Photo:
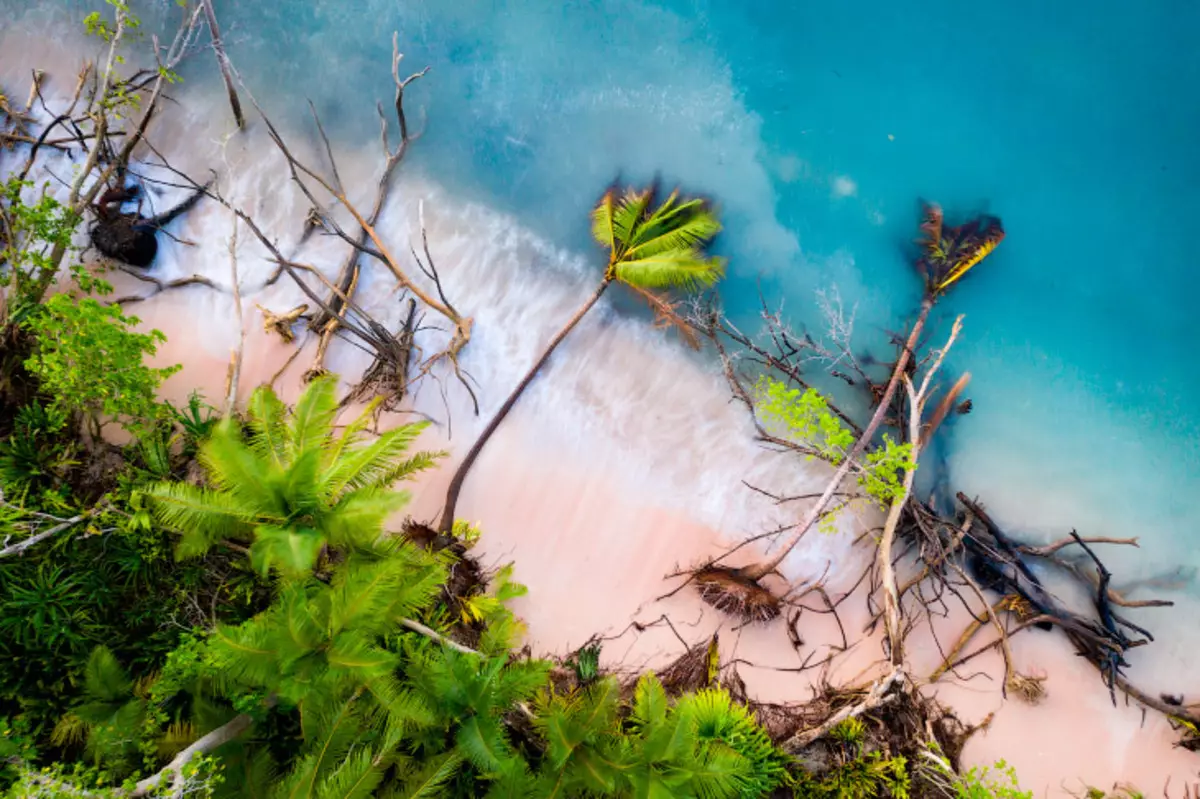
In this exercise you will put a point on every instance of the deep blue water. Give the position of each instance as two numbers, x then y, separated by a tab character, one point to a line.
817	126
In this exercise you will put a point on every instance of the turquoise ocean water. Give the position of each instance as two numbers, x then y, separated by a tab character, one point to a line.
817	126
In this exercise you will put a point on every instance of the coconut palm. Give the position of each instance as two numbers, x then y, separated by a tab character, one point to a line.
651	246
947	255
292	489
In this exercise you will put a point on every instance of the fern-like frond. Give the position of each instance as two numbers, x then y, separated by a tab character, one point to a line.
105	679
377	464
202	517
300	782
335	731
268	426
177	737
356	777
482	741
291	551
520	680
233	468
357	520
430	781
355	653
312	419
650	703
370	597
69	730
351	434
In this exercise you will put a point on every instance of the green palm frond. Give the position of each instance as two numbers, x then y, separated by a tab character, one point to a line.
371	596
602	221
104	679
428	782
356	522
482	740
650	702
627	214
233	468
377	464
356	777
334	729
292	551
687	268
297	489
291	486
269	434
201	516
351	434
674	226
312	419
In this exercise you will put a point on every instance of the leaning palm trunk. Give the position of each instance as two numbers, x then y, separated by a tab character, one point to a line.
460	475
756	571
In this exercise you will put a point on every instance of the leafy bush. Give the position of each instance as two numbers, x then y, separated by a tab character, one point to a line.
89	359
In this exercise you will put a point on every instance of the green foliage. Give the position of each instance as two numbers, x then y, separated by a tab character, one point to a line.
995	782
673	749
29	233
804	417
867	776
197	419
16	748
319	643
502	630
291	487
883	477
36	456
586	662
89	359
656	247
111	716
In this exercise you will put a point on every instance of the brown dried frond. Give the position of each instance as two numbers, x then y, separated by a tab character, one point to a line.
931	226
690	671
730	592
666	315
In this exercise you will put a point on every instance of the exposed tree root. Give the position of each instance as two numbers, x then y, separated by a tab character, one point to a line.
730	591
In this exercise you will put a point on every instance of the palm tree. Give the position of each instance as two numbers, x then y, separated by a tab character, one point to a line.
947	255
292	489
650	247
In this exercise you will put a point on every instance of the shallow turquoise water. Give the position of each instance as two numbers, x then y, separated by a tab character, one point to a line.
817	126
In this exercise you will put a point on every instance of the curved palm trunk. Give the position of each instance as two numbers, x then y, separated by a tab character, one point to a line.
456	483
756	571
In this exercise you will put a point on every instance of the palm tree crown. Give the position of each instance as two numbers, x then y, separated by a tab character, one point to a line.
657	247
291	487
